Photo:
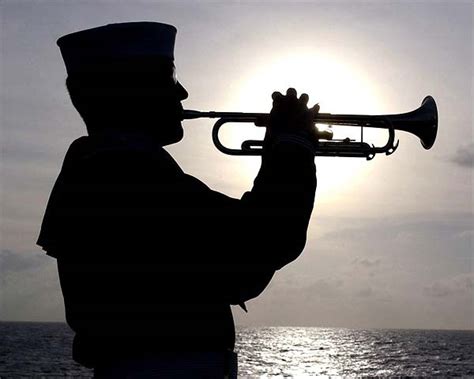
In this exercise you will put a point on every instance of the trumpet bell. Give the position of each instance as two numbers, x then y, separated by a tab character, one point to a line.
422	122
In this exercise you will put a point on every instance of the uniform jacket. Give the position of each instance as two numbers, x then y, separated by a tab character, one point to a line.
150	258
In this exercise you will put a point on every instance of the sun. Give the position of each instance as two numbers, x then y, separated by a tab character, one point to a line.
328	80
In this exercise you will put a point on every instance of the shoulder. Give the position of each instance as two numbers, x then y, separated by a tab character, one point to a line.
77	149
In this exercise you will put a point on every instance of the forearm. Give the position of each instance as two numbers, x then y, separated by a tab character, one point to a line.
282	200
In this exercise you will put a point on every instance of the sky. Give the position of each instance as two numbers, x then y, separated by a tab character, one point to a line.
390	243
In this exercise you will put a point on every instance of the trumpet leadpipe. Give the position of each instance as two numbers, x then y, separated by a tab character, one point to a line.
320	118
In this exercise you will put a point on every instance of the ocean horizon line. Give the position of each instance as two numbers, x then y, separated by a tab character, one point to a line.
277	326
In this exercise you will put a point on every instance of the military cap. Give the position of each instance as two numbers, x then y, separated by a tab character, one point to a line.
108	45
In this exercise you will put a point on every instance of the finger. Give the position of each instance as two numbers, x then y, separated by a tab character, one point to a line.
291	92
304	99
315	108
276	95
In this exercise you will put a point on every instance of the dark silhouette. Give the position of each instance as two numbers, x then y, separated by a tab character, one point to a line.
150	258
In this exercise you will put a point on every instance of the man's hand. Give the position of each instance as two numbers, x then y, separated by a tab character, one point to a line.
291	114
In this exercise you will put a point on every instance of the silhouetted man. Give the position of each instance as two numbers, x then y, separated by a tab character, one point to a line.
150	258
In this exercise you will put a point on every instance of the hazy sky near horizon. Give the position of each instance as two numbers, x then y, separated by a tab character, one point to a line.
391	240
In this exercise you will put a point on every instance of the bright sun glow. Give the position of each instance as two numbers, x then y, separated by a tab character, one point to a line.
338	88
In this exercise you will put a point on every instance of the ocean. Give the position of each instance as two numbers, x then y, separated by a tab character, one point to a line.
44	349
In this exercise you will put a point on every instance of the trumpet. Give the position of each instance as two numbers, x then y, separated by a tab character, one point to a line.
422	122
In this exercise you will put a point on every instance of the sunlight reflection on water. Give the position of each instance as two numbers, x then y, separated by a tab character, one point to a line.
300	351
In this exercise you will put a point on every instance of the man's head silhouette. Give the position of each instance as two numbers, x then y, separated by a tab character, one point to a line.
122	77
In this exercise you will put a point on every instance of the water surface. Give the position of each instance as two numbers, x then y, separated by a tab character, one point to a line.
44	349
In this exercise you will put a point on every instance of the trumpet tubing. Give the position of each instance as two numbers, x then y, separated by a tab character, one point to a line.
422	122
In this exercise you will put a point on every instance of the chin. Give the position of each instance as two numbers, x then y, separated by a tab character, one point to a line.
175	137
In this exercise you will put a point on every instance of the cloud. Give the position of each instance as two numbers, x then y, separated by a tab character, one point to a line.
328	288
365	292
29	287
366	262
379	242
457	285
464	155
